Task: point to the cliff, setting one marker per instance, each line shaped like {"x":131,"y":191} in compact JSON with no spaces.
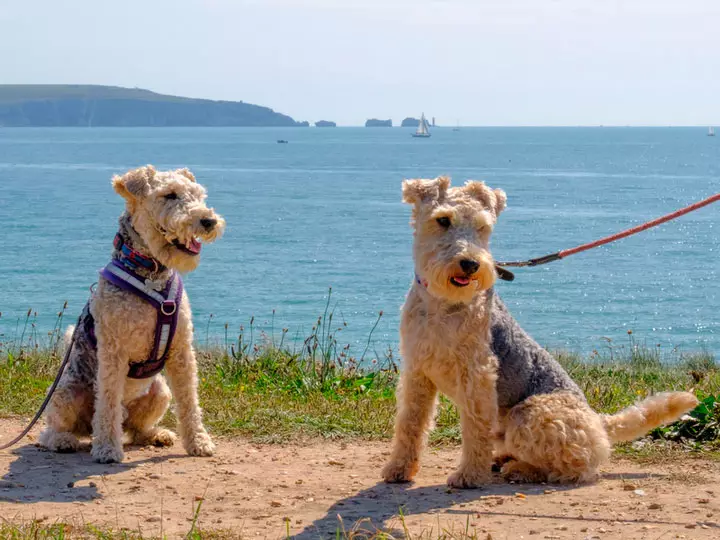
{"x":374,"y":122}
{"x":91,"y":105}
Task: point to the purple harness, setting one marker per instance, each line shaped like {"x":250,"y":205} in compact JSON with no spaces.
{"x":166,"y":301}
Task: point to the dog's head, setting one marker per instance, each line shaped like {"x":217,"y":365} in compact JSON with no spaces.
{"x":452,"y":235}
{"x":167,"y":209}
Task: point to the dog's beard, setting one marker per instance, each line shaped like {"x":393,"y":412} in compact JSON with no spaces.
{"x":448,"y":283}
{"x":177,"y":243}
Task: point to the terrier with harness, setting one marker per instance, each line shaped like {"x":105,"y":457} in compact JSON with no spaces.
{"x":137,"y":323}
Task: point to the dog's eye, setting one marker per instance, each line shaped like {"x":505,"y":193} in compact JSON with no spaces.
{"x":171,"y":196}
{"x":444,"y":222}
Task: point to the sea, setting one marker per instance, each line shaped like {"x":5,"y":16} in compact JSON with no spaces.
{"x":317,"y":226}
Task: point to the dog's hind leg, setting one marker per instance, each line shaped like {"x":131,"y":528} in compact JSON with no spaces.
{"x":555,"y":438}
{"x":146,"y":411}
{"x":416,"y":398}
{"x":182,"y":376}
{"x":64,"y":419}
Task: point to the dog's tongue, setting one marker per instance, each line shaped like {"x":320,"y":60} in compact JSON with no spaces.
{"x":194,"y":246}
{"x":462,"y":280}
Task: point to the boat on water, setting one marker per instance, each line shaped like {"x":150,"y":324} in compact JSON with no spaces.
{"x":282,"y":141}
{"x":711,"y":131}
{"x":423,"y":130}
{"x":457,"y":127}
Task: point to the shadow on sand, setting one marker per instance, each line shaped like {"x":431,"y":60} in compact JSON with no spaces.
{"x":38,"y":475}
{"x":381,"y":505}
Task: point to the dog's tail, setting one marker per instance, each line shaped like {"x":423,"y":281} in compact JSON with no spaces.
{"x":68,"y":336}
{"x":655,"y":411}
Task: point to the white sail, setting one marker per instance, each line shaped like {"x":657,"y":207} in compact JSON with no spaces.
{"x":423,"y":128}
{"x":711,"y":131}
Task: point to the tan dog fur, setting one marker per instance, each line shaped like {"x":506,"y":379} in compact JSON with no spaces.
{"x":96,"y":397}
{"x":445,"y":339}
{"x":444,"y":331}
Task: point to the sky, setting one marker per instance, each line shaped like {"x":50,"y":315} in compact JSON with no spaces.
{"x":476,"y":62}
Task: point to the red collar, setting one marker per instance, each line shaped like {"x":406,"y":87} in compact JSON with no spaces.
{"x":133,"y":258}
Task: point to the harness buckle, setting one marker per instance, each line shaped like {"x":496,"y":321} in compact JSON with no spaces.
{"x":168,"y":307}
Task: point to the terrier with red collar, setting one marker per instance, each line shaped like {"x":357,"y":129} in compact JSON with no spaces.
{"x":137,"y":322}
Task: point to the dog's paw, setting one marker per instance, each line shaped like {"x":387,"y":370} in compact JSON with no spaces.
{"x":200,"y":444}
{"x":62,"y":442}
{"x":469,"y":479}
{"x":106,"y":453}
{"x":397,"y":471}
{"x":155,"y":437}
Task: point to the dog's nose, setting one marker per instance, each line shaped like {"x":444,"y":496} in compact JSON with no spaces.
{"x":208,"y":223}
{"x":469,"y":266}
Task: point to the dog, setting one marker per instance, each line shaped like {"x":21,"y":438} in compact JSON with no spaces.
{"x":517,"y":404}
{"x":138,"y":321}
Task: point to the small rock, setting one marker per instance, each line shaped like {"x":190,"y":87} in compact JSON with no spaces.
{"x":521,"y":495}
{"x":275,"y":503}
{"x":655,"y":506}
{"x":336,"y":462}
{"x":639,"y":492}
{"x":690,"y":526}
{"x":92,"y":484}
{"x":629,"y":487}
{"x":71,"y":484}
{"x":153,"y":519}
{"x":154,"y":476}
{"x":703,"y":501}
{"x":584,"y":529}
{"x":198,"y":498}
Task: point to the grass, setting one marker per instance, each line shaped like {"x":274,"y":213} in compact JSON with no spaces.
{"x":275,"y":390}
{"x":360,"y":530}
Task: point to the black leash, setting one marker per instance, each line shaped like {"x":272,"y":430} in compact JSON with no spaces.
{"x":49,"y":394}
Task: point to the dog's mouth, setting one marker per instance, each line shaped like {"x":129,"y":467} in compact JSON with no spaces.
{"x":192,"y":247}
{"x":460,"y":281}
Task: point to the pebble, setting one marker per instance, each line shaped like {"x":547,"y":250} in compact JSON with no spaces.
{"x":655,"y":506}
{"x":153,"y":519}
{"x":275,"y":503}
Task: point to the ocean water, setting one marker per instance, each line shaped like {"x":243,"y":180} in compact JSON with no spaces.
{"x":325,"y":210}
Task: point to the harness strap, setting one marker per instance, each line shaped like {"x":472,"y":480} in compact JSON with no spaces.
{"x":166,"y":303}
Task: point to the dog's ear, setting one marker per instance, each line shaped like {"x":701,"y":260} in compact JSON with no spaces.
{"x":422,"y":191}
{"x":500,"y":201}
{"x":134,"y":184}
{"x":494,"y":199}
{"x":186,"y":173}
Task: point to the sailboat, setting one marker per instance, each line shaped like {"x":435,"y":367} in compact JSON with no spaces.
{"x":457,"y":127}
{"x":711,"y":131}
{"x":423,"y":128}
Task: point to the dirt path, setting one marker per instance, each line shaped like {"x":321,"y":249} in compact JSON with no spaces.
{"x":251,"y":490}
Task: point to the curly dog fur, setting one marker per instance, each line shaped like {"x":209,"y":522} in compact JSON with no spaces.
{"x":164,"y":211}
{"x":517,"y":405}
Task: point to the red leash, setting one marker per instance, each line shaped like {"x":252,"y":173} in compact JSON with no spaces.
{"x":629,"y":232}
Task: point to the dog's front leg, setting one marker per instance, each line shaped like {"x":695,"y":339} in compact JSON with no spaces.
{"x":477,"y":401}
{"x":182,"y":377}
{"x":108,"y":416}
{"x":416,"y":397}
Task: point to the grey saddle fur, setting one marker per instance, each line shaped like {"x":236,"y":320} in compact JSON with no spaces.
{"x":525,"y":368}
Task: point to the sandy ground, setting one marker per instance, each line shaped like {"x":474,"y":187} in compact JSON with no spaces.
{"x":257,"y":491}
